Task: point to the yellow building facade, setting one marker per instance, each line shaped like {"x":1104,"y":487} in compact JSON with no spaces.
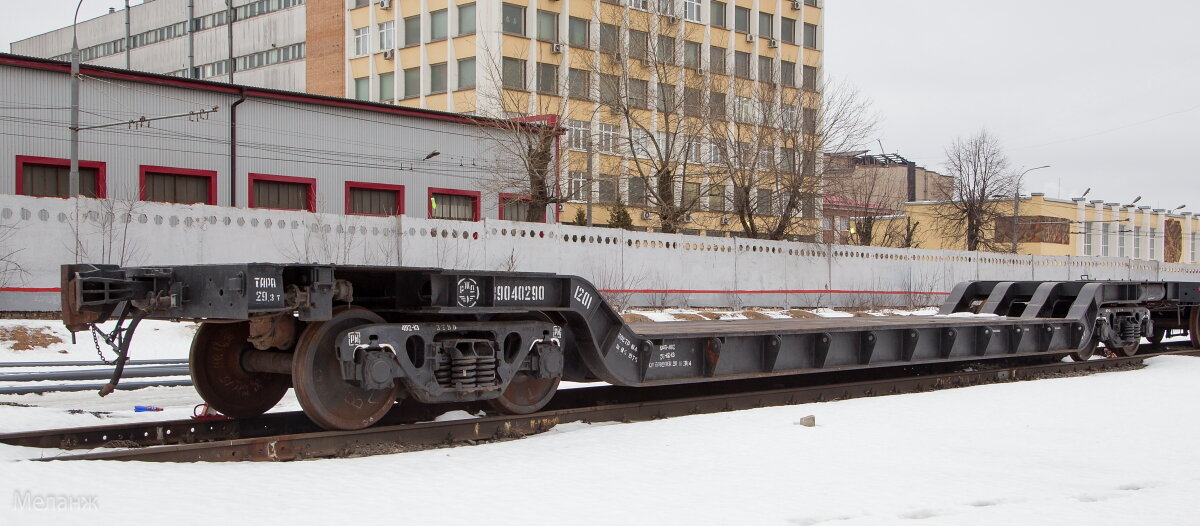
{"x":1076,"y":227}
{"x":524,"y":58}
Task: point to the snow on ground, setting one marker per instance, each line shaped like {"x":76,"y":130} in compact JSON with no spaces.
{"x":1113,"y":448}
{"x":154,"y":339}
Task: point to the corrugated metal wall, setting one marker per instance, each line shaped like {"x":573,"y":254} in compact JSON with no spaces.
{"x":276,"y":137}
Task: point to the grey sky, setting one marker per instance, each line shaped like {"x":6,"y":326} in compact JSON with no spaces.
{"x":1106,"y":92}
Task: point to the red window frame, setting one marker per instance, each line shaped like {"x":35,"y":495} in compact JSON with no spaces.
{"x":518,"y":197}
{"x":211,"y":175}
{"x":398,"y":188}
{"x":311,"y":201}
{"x":450,"y":191}
{"x":100,"y":167}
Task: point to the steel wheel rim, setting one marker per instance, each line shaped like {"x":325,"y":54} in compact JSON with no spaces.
{"x":329,"y":401}
{"x":525,"y":394}
{"x":216,"y":370}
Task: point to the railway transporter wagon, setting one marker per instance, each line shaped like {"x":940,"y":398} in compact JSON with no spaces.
{"x":351,"y":340}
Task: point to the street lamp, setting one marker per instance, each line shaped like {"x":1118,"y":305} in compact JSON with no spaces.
{"x":1017,"y":206}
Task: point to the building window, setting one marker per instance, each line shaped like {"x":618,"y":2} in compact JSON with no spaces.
{"x":607,"y":189}
{"x":466,"y":73}
{"x":1152,"y":243}
{"x":716,"y":59}
{"x":438,"y":25}
{"x":387,"y":35}
{"x":762,"y":205}
{"x":610,"y":38}
{"x":716,"y":150}
{"x":716,"y":198}
{"x":1192,"y":250}
{"x":766,"y":24}
{"x":362,"y":41}
{"x":716,"y":105}
{"x":577,"y":32}
{"x":666,"y":98}
{"x":717,"y":14}
{"x":810,"y":36}
{"x":607,"y":138}
{"x":387,"y":87}
{"x":412,"y":31}
{"x":787,"y":73}
{"x":666,"y":49}
{"x":741,"y":19}
{"x":513,"y":73}
{"x":50,"y":177}
{"x":577,"y":187}
{"x":283,"y":193}
{"x":1120,"y":242}
{"x":466,"y":19}
{"x":1137,"y":242}
{"x":1104,"y":239}
{"x":787,"y":30}
{"x":514,"y":207}
{"x":362,"y":88}
{"x":580,"y":85}
{"x":691,"y":54}
{"x":639,"y":94}
{"x":412,"y":82}
{"x":547,"y":26}
{"x":637,"y":191}
{"x":639,"y":44}
{"x":513,"y":19}
{"x":690,"y":198}
{"x":812,"y":3}
{"x":610,"y":89}
{"x":691,"y":10}
{"x":459,"y":205}
{"x":693,"y":102}
{"x":810,"y":78}
{"x":577,"y":135}
{"x":1087,"y":238}
{"x":374,"y":199}
{"x":437,"y":78}
{"x":766,"y":69}
{"x":741,"y":64}
{"x":547,"y":78}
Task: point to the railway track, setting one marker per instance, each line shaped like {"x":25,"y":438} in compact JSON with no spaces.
{"x":292,"y":436}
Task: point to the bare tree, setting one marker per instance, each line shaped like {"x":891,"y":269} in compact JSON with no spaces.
{"x":773,"y":143}
{"x":981,"y":174}
{"x":10,"y":267}
{"x":525,"y":125}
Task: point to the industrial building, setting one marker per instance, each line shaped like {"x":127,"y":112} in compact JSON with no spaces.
{"x":161,"y":138}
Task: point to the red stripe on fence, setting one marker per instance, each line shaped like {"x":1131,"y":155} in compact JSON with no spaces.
{"x":827,"y":291}
{"x":30,"y":289}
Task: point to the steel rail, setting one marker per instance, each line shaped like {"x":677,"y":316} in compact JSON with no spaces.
{"x":93,"y":363}
{"x":405,"y":437}
{"x":143,"y":371}
{"x":65,"y":388}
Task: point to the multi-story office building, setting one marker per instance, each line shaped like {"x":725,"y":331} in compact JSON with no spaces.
{"x":696,"y":89}
{"x":191,"y":38}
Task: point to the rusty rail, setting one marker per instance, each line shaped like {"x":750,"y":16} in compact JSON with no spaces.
{"x":289,"y":436}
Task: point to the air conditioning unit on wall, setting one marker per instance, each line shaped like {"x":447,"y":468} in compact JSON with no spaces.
{"x":388,"y":54}
{"x":385,"y":4}
{"x":724,"y":221}
{"x":557,"y":48}
{"x":647,"y":215}
{"x":772,"y":42}
{"x":795,"y":4}
{"x":749,"y":37}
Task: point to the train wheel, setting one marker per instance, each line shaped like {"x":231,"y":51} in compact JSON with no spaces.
{"x":1085,"y":354}
{"x":1194,"y":327}
{"x":327,"y":399}
{"x":1157,"y":336}
{"x":1129,"y":349}
{"x":215,"y":364}
{"x":525,"y":394}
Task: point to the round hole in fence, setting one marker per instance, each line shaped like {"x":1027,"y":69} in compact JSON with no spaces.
{"x":504,"y":231}
{"x":541,"y":233}
{"x":443,"y":234}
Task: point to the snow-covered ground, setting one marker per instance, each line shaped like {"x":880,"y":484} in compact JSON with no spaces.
{"x":1114,"y":448}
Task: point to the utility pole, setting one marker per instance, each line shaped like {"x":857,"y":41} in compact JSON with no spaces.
{"x":73,"y":177}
